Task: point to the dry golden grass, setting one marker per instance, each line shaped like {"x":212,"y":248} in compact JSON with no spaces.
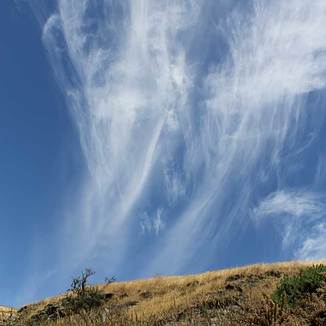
{"x":237,"y":296}
{"x":4,"y":310}
{"x":179,"y":291}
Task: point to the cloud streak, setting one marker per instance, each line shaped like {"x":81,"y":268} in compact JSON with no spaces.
{"x":300,"y":216}
{"x":296,"y":204}
{"x":170,"y":129}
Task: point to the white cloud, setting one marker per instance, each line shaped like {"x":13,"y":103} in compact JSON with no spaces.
{"x":131,"y":77}
{"x":314,"y":246}
{"x":255,"y":105}
{"x":125,"y":84}
{"x":301,"y":218}
{"x":152,"y":225}
{"x":294,"y":203}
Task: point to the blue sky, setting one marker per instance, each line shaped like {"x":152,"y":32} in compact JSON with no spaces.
{"x":156,"y":137}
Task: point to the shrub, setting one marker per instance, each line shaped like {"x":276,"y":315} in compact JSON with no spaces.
{"x":83,"y":296}
{"x":109,"y":280}
{"x":293,"y":288}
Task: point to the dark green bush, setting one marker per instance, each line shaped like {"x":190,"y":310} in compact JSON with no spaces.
{"x":91,"y":298}
{"x":293,"y":288}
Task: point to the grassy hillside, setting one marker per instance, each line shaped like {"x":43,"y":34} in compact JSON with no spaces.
{"x":6,"y":312}
{"x":239,"y":296}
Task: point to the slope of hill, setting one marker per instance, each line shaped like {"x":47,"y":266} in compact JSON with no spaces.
{"x":6,"y":312}
{"x":239,"y":296}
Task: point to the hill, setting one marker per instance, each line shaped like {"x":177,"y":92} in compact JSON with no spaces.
{"x":6,"y":312}
{"x":250,"y":295}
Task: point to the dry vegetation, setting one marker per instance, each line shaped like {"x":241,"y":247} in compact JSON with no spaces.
{"x":240,"y":296}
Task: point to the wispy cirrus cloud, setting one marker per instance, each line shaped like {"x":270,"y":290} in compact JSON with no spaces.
{"x":254,"y":115}
{"x":300,"y":216}
{"x":126,"y":81}
{"x":187,"y":113}
{"x":294,"y":203}
{"x":314,"y":247}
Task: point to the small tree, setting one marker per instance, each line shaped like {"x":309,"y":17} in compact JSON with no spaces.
{"x":82,"y":295}
{"x":109,"y":280}
{"x":79,"y":284}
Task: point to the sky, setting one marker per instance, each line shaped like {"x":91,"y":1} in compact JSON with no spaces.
{"x":156,"y":137}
